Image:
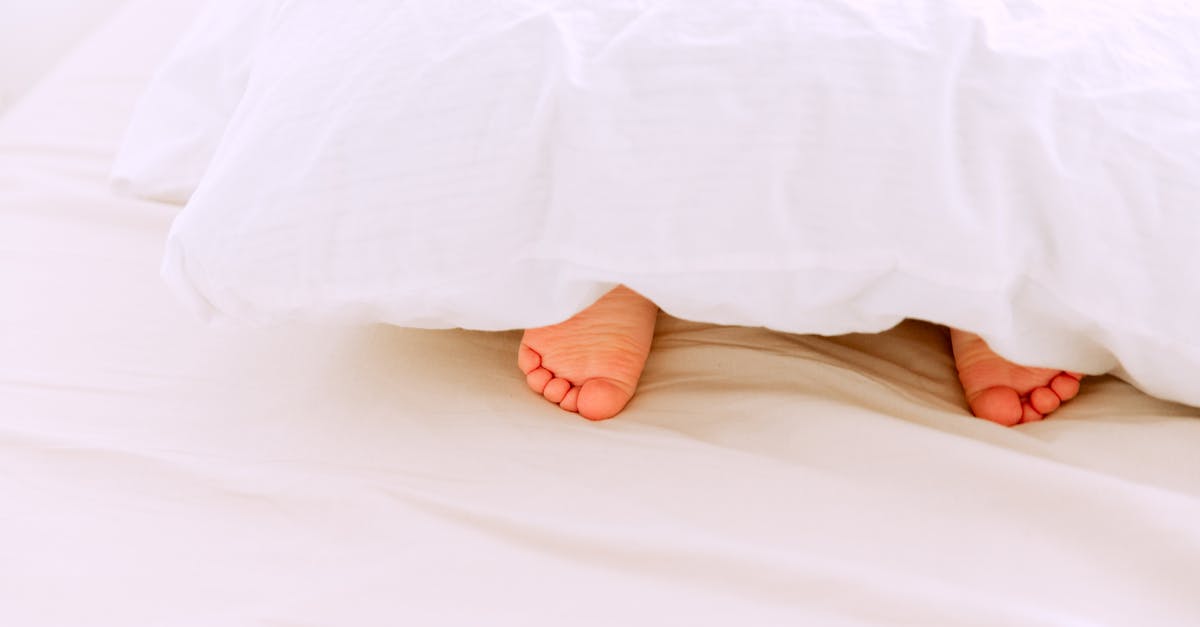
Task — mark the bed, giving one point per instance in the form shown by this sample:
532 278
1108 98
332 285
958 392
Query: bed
158 471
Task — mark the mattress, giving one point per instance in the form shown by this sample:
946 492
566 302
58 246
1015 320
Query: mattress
157 471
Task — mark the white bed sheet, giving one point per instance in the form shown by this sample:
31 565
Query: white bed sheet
155 471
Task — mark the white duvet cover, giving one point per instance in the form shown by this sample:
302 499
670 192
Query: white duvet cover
156 472
1030 174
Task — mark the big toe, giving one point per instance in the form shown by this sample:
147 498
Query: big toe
601 399
999 404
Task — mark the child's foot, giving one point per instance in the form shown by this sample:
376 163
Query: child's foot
591 363
1004 392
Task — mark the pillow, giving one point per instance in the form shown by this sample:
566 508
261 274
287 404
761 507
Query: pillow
1027 173
180 119
34 36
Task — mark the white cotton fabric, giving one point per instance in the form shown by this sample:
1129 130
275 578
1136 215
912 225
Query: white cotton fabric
180 119
1028 171
158 472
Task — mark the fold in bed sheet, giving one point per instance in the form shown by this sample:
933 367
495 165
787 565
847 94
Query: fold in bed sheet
158 472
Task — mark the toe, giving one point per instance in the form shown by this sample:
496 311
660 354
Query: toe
538 379
601 399
1044 400
1065 386
1029 414
999 404
556 390
570 402
528 359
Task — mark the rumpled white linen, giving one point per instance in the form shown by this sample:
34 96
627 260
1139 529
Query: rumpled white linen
1027 172
158 472
180 119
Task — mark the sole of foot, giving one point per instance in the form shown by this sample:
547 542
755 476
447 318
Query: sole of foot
1004 392
591 363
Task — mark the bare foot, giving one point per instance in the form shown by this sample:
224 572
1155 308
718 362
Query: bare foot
591 363
1004 392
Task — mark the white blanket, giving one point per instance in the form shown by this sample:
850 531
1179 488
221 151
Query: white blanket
1030 175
